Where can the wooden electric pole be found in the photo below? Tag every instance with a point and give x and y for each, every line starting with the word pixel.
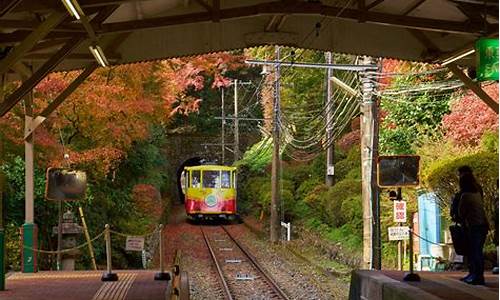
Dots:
pixel 330 150
pixel 236 124
pixel 275 193
pixel 369 153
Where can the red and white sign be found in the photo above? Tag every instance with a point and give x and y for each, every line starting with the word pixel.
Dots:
pixel 400 211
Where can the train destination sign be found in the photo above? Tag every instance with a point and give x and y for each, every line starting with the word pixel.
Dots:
pixel 398 170
pixel 63 184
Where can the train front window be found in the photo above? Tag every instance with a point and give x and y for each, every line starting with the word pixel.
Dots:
pixel 226 179
pixel 211 179
pixel 195 179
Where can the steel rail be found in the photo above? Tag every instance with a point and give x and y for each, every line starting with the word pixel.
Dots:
pixel 219 270
pixel 256 264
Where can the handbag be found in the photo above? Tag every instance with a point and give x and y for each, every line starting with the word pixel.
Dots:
pixel 459 238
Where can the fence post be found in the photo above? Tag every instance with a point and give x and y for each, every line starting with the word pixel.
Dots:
pixel 162 275
pixel 109 275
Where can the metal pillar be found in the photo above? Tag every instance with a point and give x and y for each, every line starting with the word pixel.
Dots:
pixel 330 150
pixel 29 230
pixel 109 275
pixel 222 129
pixel 162 275
pixel 59 233
pixel 369 152
pixel 275 195
pixel 236 123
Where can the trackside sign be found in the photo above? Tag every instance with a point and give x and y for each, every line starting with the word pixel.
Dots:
pixel 399 233
pixel 134 243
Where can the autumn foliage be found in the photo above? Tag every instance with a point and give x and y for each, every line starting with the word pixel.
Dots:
pixel 147 200
pixel 115 107
pixel 470 117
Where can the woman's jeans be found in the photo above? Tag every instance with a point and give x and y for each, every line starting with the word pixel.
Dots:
pixel 477 237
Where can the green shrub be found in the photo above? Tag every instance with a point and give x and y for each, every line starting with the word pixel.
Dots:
pixel 352 161
pixel 345 190
pixel 354 173
pixel 352 212
pixel 315 195
pixel 489 142
pixel 441 176
pixel 297 173
pixel 305 188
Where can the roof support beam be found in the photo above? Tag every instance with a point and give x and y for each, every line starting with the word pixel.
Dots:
pixel 39 33
pixel 373 4
pixel 114 43
pixel 50 64
pixel 60 99
pixel 301 8
pixel 431 49
pixel 204 5
pixel 39 74
pixel 412 7
pixel 22 69
pixel 362 9
pixel 476 88
pixel 7 7
pixel 216 11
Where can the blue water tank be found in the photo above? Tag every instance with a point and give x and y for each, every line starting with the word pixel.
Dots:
pixel 429 219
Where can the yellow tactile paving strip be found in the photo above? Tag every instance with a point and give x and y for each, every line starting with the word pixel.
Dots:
pixel 116 290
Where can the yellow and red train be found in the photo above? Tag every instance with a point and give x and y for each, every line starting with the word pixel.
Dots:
pixel 209 191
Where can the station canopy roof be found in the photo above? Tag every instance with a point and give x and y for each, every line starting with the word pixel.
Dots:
pixel 136 31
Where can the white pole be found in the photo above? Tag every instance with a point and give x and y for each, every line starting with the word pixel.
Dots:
pixel 108 276
pixel 161 275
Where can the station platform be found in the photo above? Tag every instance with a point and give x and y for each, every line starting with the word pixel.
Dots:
pixel 84 285
pixel 389 285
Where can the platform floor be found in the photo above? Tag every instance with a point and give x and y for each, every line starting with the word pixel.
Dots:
pixel 84 285
pixel 385 285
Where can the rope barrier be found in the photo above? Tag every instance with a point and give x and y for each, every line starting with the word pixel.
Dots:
pixel 91 241
pixel 422 238
pixel 65 250
pixel 141 235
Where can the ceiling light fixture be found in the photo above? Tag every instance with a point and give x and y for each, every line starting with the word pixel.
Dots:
pixel 74 8
pixel 457 56
pixel 99 55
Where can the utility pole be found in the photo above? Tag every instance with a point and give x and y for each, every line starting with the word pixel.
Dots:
pixel 236 124
pixel 330 150
pixel 223 125
pixel 370 193
pixel 275 195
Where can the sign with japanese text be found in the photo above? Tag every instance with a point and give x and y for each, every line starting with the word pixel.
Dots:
pixel 134 243
pixel 399 233
pixel 487 59
pixel 400 211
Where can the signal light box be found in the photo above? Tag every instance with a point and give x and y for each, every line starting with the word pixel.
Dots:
pixel 398 170
pixel 65 184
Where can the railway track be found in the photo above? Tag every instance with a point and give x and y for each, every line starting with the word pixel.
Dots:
pixel 240 275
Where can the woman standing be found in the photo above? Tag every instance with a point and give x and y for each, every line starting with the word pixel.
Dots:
pixel 471 212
